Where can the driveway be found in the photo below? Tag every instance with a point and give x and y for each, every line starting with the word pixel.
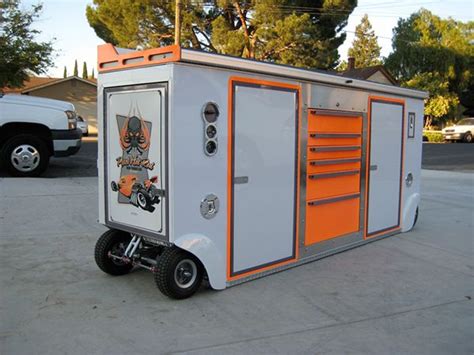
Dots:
pixel 410 293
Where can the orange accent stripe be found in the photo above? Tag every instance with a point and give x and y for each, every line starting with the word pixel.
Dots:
pixel 109 59
pixel 230 103
pixel 367 172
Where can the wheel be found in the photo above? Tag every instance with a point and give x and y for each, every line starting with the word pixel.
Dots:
pixel 179 273
pixel 116 242
pixel 25 155
pixel 144 200
pixel 468 137
pixel 416 218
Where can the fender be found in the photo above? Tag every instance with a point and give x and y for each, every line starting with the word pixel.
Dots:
pixel 206 251
pixel 409 210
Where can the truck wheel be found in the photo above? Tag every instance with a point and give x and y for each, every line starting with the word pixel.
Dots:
pixel 25 155
pixel 468 137
pixel 115 242
pixel 179 273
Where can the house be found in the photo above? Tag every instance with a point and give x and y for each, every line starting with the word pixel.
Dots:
pixel 82 93
pixel 376 73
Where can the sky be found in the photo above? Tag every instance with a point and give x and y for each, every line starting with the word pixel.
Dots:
pixel 64 22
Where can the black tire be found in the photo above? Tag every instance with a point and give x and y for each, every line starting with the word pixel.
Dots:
pixel 167 266
pixel 416 218
pixel 144 200
pixel 15 143
pixel 468 137
pixel 112 240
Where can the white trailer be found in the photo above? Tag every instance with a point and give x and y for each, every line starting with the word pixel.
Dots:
pixel 226 169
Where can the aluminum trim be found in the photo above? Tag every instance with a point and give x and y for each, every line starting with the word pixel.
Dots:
pixel 322 253
pixel 323 112
pixel 333 199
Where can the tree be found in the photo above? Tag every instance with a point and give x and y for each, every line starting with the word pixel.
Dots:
pixel 303 33
pixel 65 72
pixel 437 55
pixel 92 76
pixel 365 48
pixel 75 71
pixel 21 54
pixel 84 70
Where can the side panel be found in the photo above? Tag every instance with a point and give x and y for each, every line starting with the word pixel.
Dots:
pixel 264 160
pixel 385 165
pixel 135 158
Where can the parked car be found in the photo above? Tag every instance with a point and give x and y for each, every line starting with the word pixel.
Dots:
pixel 32 129
pixel 461 131
pixel 83 126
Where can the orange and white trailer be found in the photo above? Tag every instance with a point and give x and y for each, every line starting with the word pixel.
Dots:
pixel 226 169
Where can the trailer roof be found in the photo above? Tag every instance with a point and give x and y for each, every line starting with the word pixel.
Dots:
pixel 111 58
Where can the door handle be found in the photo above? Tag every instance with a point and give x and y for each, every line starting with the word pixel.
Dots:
pixel 241 179
pixel 374 167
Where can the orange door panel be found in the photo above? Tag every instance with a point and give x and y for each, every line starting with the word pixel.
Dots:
pixel 331 220
pixel 319 186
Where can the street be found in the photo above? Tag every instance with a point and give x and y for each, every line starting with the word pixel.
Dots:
pixel 410 293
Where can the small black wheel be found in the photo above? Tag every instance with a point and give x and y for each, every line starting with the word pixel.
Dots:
pixel 179 273
pixel 114 186
pixel 416 218
pixel 25 155
pixel 115 242
pixel 144 200
pixel 468 137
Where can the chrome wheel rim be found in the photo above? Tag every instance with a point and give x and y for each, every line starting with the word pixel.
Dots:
pixel 185 273
pixel 25 158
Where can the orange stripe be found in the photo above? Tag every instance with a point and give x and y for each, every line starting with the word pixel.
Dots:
pixel 369 133
pixel 109 59
pixel 230 103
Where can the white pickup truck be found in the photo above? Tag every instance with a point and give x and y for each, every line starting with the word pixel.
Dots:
pixel 32 129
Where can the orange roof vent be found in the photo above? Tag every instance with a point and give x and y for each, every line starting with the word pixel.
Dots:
pixel 111 58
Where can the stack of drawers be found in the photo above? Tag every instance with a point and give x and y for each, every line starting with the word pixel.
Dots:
pixel 333 175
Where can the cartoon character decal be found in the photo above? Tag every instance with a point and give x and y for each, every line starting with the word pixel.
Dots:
pixel 134 185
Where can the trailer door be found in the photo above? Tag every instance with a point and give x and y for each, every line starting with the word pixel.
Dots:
pixel 265 133
pixel 385 161
pixel 135 158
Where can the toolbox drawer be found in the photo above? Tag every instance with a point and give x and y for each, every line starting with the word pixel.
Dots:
pixel 327 220
pixel 334 123
pixel 334 139
pixel 334 152
pixel 332 165
pixel 323 185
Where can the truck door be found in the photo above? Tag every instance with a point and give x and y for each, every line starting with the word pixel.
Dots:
pixel 385 165
pixel 264 176
pixel 135 158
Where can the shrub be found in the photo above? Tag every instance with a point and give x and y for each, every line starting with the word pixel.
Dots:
pixel 433 136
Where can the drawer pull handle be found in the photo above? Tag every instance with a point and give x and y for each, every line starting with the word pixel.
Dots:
pixel 334 161
pixel 333 199
pixel 335 174
pixel 335 149
pixel 334 135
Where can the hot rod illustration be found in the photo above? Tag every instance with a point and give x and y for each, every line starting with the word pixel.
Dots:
pixel 143 195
